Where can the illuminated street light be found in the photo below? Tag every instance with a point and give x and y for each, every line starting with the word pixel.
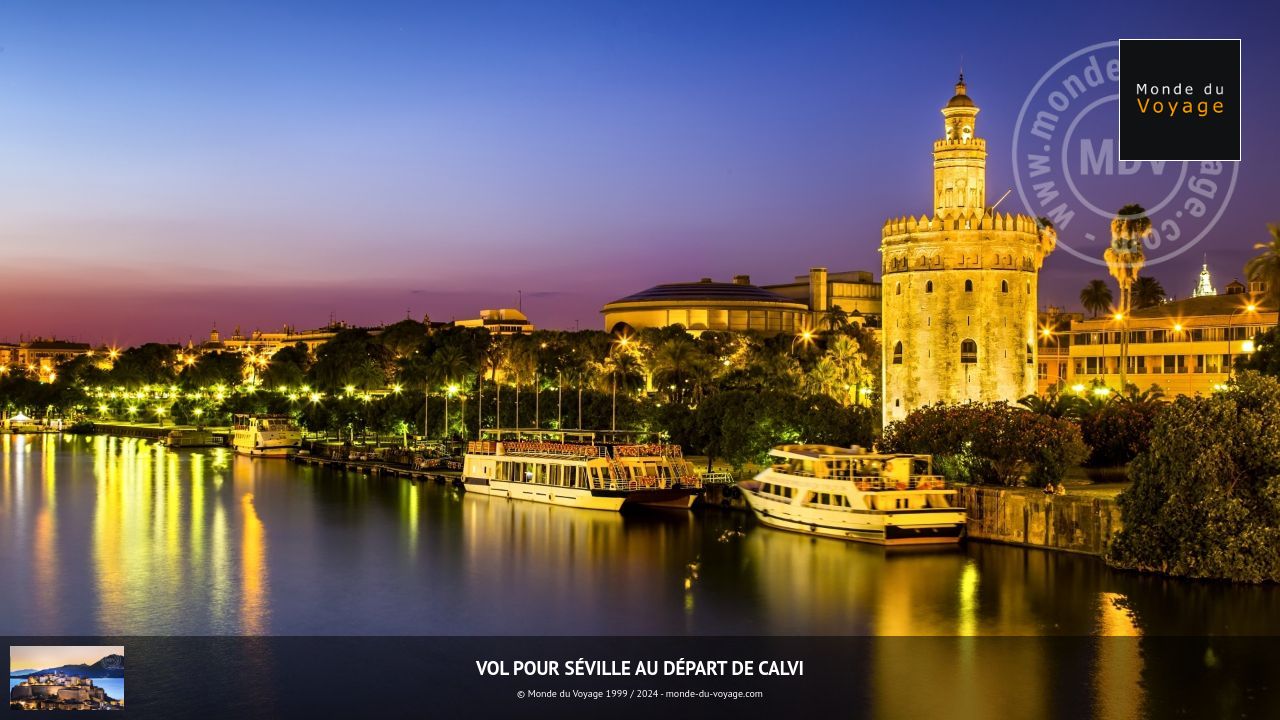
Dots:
pixel 1077 388
pixel 1246 346
pixel 1102 391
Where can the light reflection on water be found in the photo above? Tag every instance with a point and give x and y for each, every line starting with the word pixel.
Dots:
pixel 120 536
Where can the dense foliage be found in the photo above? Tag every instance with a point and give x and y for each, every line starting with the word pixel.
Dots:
pixel 1205 500
pixel 1265 357
pixel 991 443
pixel 1116 431
pixel 733 393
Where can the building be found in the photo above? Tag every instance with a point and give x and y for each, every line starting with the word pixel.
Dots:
pixel 855 293
pixel 1205 285
pixel 1053 356
pixel 502 321
pixel 268 343
pixel 1185 347
pixel 707 305
pixel 959 284
pixel 40 356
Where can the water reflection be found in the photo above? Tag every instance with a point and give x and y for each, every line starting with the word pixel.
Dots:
pixel 120 536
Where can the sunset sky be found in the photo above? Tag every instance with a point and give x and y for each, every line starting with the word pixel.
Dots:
pixel 166 167
pixel 43 657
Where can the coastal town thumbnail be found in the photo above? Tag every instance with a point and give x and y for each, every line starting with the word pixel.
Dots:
pixel 66 677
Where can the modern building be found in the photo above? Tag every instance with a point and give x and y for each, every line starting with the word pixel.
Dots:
pixel 708 305
pixel 502 321
pixel 960 284
pixel 1185 347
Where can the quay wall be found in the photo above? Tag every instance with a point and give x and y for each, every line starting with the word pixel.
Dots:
pixel 1073 523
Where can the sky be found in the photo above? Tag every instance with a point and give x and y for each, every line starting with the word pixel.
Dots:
pixel 165 167
pixel 44 657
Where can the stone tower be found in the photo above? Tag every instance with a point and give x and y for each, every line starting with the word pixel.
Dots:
pixel 959 294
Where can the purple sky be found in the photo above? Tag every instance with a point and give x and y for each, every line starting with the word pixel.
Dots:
pixel 164 168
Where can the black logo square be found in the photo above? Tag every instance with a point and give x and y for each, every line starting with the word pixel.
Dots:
pixel 1179 100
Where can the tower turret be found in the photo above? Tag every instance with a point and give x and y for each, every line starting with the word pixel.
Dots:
pixel 959 159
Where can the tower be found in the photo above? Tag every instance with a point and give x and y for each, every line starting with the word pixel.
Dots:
pixel 960 284
pixel 1205 286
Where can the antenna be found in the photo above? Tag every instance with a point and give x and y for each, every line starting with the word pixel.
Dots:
pixel 520 300
pixel 1002 197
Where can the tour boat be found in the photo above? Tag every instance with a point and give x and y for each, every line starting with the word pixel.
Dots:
pixel 579 469
pixel 265 435
pixel 851 494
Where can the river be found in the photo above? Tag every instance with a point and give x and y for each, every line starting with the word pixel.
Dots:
pixel 115 536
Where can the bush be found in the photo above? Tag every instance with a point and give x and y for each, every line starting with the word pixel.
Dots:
pixel 1205 500
pixel 989 443
pixel 1119 430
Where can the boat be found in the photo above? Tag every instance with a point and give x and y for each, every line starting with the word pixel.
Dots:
pixel 579 468
pixel 265 435
pixel 190 438
pixel 853 494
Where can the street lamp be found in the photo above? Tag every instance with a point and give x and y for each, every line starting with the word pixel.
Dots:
pixel 450 391
pixel 1245 346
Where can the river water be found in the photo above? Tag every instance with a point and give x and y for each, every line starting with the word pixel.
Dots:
pixel 114 536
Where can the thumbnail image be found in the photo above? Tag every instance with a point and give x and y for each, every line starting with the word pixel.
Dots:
pixel 66 677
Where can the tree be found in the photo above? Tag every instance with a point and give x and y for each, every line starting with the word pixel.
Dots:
pixel 1125 259
pixel 152 363
pixel 1265 357
pixel 1265 267
pixel 215 368
pixel 1096 297
pixel 1147 292
pixel 1205 499
pixel 352 358
pixel 288 367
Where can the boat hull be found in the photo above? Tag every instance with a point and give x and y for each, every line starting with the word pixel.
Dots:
pixel 282 451
pixel 673 498
pixel 921 527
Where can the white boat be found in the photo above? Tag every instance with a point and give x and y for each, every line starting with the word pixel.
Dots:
pixel 265 435
pixel 575 469
pixel 851 494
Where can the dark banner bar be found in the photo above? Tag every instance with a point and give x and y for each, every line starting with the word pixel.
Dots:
pixel 730 677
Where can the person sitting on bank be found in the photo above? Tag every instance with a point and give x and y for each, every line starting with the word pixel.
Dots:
pixel 1062 489
pixel 1048 489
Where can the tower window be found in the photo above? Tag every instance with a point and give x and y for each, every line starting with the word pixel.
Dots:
pixel 897 353
pixel 928 287
pixel 1031 354
pixel 968 286
pixel 899 290
pixel 1004 286
pixel 968 352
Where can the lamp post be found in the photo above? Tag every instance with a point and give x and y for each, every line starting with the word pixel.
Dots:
pixel 623 342
pixel 1250 308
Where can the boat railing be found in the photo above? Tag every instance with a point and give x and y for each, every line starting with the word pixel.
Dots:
pixel 536 449
pixel 646 482
pixel 717 478
pixel 868 483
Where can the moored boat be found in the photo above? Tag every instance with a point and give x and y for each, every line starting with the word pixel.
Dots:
pixel 190 438
pixel 579 469
pixel 265 435
pixel 851 494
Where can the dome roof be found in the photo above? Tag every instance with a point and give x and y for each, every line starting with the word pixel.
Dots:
pixel 960 99
pixel 706 290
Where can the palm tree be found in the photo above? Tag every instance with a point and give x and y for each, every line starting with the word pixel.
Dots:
pixel 1265 268
pixel 1096 297
pixel 1055 404
pixel 451 364
pixel 1147 292
pixel 1124 259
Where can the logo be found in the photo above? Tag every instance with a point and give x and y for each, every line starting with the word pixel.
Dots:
pixel 1067 167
